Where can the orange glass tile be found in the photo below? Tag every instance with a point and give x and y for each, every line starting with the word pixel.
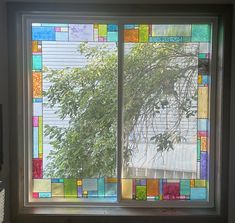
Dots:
pixel 131 35
pixel 152 187
pixel 37 85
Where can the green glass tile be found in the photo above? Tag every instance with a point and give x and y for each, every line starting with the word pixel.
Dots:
pixel 202 55
pixel 198 149
pixel 143 33
pixel 201 33
pixel 141 193
pixel 70 188
pixel 184 187
pixel 156 198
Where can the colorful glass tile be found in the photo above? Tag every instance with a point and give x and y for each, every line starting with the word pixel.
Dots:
pixel 101 187
pixel 202 124
pixel 57 189
pixel 43 33
pixel 35 121
pixel 37 62
pixel 171 191
pixel 131 35
pixel 42 185
pixel 143 33
pixel 44 194
pixel 171 30
pixel 40 135
pixel 141 193
pixel 37 109
pixel 204 159
pixel 70 188
pixel 184 187
pixel 201 33
pixel 102 30
pixel 198 194
pixel 127 189
pixel 81 32
pixel 203 102
pixel 152 187
pixel 37 168
pixel 110 190
pixel 89 184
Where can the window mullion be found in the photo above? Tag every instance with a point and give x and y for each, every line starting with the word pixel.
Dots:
pixel 120 107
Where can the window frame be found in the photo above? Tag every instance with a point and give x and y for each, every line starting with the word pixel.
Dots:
pixel 120 21
pixel 108 211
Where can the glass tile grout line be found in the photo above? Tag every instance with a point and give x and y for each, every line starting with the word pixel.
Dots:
pixel 148 189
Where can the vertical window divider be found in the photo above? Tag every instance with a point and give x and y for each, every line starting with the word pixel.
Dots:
pixel 120 107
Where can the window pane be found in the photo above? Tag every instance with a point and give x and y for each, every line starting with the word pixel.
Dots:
pixel 74 75
pixel 166 112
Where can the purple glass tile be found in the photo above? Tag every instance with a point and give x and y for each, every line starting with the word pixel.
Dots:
pixel 204 157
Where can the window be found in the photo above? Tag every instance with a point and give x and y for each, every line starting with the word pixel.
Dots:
pixel 121 112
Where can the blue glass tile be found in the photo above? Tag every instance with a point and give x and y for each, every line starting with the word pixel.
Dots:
pixel 43 33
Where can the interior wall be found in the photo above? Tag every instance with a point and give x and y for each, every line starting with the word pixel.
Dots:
pixel 4 175
pixel 231 196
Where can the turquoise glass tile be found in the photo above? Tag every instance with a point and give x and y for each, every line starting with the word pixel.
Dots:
pixel 198 194
pixel 201 33
pixel 101 187
pixel 44 194
pixel 112 37
pixel 37 62
pixel 185 187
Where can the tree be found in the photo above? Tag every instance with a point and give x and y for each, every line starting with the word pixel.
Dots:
pixel 156 76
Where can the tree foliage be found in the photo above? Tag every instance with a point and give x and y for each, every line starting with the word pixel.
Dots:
pixel 156 77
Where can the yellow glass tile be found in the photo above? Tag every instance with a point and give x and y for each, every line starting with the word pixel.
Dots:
pixel 57 189
pixel 127 189
pixel 203 143
pixel 79 182
pixel 34 46
pixel 40 135
pixel 199 79
pixel 200 183
pixel 40 155
pixel 102 30
pixel 203 102
pixel 41 185
pixel 111 180
pixel 192 183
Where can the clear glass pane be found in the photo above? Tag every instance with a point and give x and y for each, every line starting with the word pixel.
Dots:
pixel 166 112
pixel 74 76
